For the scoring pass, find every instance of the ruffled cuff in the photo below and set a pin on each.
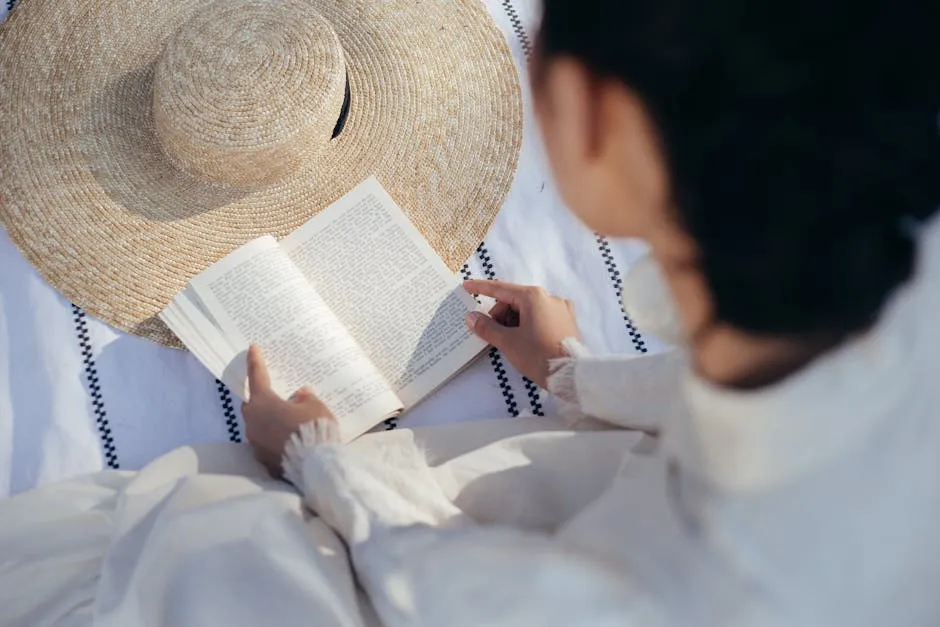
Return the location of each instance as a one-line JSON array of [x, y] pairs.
[[309, 436], [561, 372], [363, 492]]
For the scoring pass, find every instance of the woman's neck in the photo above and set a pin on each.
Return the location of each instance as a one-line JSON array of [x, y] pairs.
[[731, 358]]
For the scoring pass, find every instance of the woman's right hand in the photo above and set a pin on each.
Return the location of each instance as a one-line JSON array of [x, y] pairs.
[[528, 325], [271, 421]]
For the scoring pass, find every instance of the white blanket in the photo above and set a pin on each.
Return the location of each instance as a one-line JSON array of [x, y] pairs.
[[77, 396]]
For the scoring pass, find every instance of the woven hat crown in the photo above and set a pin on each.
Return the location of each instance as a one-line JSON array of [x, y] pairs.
[[246, 92]]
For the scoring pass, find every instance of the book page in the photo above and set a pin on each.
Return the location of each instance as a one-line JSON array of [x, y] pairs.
[[186, 317], [256, 296], [389, 288]]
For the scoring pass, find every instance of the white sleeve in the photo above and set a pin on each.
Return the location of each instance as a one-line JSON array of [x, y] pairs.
[[423, 562], [634, 392]]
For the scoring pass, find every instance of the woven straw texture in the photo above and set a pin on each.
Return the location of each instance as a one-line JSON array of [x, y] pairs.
[[143, 140]]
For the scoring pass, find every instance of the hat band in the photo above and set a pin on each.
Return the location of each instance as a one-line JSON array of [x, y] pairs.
[[343, 113]]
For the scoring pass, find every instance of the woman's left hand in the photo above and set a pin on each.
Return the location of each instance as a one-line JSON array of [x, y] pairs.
[[270, 421]]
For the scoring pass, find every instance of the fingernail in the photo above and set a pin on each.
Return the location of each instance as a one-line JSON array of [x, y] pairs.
[[472, 319]]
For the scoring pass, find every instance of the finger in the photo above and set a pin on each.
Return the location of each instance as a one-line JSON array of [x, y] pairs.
[[303, 395], [504, 314], [509, 293], [488, 329], [259, 381], [508, 318]]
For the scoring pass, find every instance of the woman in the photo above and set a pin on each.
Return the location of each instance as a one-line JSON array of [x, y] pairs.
[[781, 470]]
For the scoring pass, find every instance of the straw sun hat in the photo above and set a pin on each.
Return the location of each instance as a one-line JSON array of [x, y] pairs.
[[141, 140]]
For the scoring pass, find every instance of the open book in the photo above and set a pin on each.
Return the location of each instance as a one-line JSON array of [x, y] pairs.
[[354, 304]]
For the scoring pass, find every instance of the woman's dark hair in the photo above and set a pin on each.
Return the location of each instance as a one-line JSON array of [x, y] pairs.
[[801, 136]]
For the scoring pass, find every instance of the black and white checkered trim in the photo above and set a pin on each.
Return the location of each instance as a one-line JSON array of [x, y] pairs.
[[391, 424], [93, 385], [535, 396], [532, 390], [604, 247], [10, 4], [486, 262], [228, 409], [502, 377], [518, 28], [496, 358]]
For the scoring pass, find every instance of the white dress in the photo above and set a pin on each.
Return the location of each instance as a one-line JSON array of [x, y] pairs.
[[813, 502]]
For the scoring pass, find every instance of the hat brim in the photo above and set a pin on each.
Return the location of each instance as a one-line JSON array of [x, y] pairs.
[[90, 199]]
